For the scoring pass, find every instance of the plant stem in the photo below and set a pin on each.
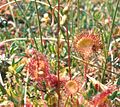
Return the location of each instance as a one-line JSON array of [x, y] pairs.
[[11, 11], [36, 42], [109, 40], [113, 22], [27, 24], [68, 45], [40, 2], [94, 65], [58, 53], [40, 33], [103, 72], [72, 15], [85, 70], [78, 14]]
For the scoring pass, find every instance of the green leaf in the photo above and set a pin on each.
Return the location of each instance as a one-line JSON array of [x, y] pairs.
[[13, 99], [18, 60], [112, 97], [20, 68], [52, 90], [13, 62], [118, 81], [51, 48], [21, 54], [97, 15], [13, 48], [81, 105], [46, 96], [118, 94], [2, 89], [92, 87], [90, 93]]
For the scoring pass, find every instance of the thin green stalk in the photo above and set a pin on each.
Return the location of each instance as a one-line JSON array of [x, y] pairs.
[[109, 40], [36, 43], [11, 11], [49, 5], [72, 14], [39, 24], [23, 15], [78, 9], [103, 72], [27, 24], [51, 8], [113, 23]]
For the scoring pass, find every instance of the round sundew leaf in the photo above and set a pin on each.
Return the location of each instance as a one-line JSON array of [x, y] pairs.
[[71, 87], [84, 42]]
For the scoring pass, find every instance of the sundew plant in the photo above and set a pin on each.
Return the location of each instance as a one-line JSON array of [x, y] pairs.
[[59, 53]]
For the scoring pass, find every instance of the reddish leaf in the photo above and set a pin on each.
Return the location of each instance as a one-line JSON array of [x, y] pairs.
[[101, 98]]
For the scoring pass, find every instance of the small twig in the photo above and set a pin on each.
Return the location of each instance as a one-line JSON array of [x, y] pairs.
[[93, 65], [2, 6], [25, 39]]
